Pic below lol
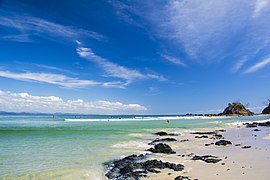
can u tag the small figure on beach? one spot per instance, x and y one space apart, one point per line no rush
167 122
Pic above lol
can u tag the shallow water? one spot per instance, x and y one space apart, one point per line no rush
43 147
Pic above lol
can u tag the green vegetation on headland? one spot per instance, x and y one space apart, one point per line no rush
236 109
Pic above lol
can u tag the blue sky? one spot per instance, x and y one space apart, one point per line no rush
133 57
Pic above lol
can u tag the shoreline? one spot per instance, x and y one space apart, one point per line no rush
247 157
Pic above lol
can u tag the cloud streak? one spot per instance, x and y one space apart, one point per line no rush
260 5
49 78
24 102
204 32
258 66
114 70
26 27
174 60
238 65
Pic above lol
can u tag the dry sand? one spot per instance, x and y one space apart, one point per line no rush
237 162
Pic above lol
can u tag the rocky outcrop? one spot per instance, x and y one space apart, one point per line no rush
266 110
162 140
132 167
207 158
162 133
255 124
223 143
182 178
162 148
236 109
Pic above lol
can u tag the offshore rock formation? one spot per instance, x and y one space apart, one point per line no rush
236 109
266 110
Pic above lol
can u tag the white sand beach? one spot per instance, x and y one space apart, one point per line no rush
237 161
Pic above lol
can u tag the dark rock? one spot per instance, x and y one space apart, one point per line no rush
182 178
205 133
256 130
246 147
207 158
173 134
236 109
255 124
251 125
162 133
199 137
162 148
218 136
132 167
266 110
184 140
222 130
162 140
191 154
264 124
238 145
214 133
223 143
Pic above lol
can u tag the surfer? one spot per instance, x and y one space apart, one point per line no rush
167 122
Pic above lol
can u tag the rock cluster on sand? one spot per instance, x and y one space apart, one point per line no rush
255 124
266 110
162 148
162 133
236 109
207 158
223 143
162 140
182 178
132 167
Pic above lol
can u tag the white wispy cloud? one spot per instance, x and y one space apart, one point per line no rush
238 65
27 27
258 66
24 102
115 84
56 79
207 32
174 60
114 70
260 5
123 11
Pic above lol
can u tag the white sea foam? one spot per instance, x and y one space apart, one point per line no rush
136 135
141 118
131 145
239 123
215 122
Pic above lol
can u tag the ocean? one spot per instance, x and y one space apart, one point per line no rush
68 147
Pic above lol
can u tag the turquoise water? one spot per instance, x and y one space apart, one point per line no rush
43 147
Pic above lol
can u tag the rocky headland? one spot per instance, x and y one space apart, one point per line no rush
266 110
236 109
